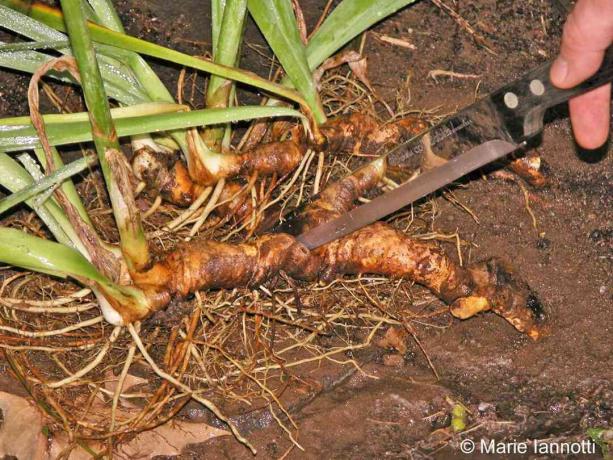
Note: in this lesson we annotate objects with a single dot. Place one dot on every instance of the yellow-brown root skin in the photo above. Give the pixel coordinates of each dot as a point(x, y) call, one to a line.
point(362, 133)
point(181, 186)
point(209, 264)
point(279, 158)
point(376, 249)
point(383, 250)
point(340, 196)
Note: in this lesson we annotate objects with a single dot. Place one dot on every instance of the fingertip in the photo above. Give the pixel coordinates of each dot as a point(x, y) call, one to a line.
point(590, 116)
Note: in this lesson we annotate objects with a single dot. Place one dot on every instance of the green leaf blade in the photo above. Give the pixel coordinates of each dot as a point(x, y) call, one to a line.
point(277, 22)
point(349, 19)
point(20, 249)
point(18, 134)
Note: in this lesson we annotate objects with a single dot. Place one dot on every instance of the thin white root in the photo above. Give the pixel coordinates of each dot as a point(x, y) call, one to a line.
point(8, 301)
point(97, 360)
point(122, 378)
point(205, 402)
point(72, 327)
point(209, 207)
point(154, 206)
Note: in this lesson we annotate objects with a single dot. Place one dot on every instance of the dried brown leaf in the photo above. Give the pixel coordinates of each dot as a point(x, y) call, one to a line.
point(168, 439)
point(396, 41)
point(356, 62)
point(21, 429)
point(302, 28)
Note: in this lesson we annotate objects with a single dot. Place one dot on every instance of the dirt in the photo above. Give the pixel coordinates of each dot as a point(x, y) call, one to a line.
point(393, 406)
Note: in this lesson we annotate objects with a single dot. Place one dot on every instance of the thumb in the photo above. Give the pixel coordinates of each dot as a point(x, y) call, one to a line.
point(588, 32)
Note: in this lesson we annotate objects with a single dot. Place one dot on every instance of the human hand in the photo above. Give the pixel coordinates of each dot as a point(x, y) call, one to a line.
point(588, 32)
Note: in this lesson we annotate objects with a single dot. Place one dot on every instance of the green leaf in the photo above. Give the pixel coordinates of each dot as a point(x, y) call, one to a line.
point(67, 187)
point(277, 21)
point(228, 44)
point(107, 16)
point(30, 61)
point(131, 111)
point(604, 438)
point(53, 18)
point(15, 178)
point(52, 180)
point(229, 18)
point(347, 21)
point(24, 46)
point(119, 78)
point(217, 9)
point(18, 133)
point(29, 252)
point(19, 249)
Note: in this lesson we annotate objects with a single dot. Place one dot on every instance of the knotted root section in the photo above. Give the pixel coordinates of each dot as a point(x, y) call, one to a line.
point(531, 169)
point(376, 249)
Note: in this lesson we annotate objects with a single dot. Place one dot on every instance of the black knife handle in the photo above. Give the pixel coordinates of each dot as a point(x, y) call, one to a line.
point(523, 102)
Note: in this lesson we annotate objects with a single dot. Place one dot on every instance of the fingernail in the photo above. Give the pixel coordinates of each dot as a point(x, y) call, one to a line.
point(559, 71)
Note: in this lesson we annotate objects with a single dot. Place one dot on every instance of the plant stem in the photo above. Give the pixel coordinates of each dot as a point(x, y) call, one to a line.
point(226, 50)
point(120, 304)
point(114, 168)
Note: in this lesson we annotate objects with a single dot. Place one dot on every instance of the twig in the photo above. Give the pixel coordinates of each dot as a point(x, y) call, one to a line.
point(448, 73)
point(394, 41)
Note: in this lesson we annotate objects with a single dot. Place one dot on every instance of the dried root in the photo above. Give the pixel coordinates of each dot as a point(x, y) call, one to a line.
point(496, 287)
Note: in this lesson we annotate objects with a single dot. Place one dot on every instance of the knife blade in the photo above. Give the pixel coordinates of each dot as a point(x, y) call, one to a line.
point(491, 128)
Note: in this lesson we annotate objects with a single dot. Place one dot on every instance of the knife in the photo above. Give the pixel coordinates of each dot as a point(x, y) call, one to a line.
point(506, 120)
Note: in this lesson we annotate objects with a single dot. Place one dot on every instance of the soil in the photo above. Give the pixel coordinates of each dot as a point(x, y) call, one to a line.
point(515, 389)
